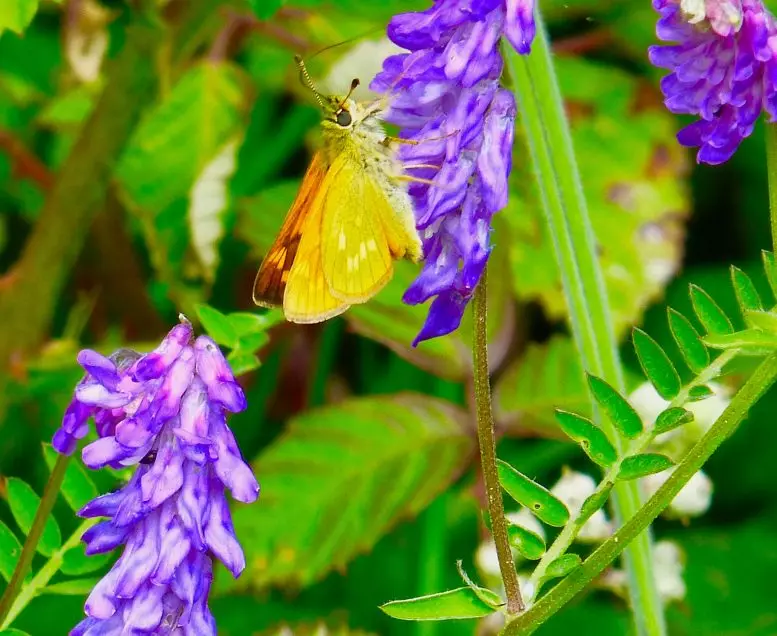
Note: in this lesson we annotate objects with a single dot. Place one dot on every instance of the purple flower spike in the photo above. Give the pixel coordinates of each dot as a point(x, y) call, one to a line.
point(723, 70)
point(446, 95)
point(165, 413)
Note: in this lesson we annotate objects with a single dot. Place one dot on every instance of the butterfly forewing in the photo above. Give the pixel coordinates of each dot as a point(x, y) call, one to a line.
point(271, 279)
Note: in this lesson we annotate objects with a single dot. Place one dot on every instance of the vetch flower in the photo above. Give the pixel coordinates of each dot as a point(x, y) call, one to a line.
point(446, 95)
point(723, 70)
point(165, 413)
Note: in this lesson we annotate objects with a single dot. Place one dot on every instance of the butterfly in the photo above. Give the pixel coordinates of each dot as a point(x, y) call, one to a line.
point(351, 219)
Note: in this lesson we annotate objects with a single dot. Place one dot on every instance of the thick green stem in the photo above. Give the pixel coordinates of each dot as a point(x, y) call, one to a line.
point(487, 443)
point(771, 166)
point(564, 204)
point(50, 493)
point(45, 574)
point(764, 376)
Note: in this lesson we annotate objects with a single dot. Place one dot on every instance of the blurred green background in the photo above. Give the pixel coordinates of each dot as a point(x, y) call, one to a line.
point(117, 212)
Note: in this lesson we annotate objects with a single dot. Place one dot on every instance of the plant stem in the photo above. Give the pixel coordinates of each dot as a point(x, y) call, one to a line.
point(564, 204)
point(50, 493)
point(487, 443)
point(771, 170)
point(763, 377)
point(45, 574)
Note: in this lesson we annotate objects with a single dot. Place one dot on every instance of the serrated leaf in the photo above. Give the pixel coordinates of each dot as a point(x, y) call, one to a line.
point(538, 499)
point(591, 438)
point(656, 365)
point(547, 376)
point(622, 415)
point(24, 502)
point(643, 465)
point(341, 476)
point(10, 550)
point(764, 320)
point(217, 325)
point(595, 502)
point(746, 293)
point(529, 544)
point(635, 186)
point(72, 587)
point(699, 392)
point(750, 341)
point(709, 313)
point(770, 267)
point(562, 566)
point(77, 487)
point(16, 15)
point(688, 341)
point(208, 203)
point(453, 604)
point(76, 562)
point(671, 418)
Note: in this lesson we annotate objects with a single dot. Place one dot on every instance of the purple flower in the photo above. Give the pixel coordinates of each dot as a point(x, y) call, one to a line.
point(723, 67)
point(446, 95)
point(164, 412)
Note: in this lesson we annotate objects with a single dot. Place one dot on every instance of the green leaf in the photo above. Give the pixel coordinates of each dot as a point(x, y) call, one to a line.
point(593, 440)
point(453, 604)
point(747, 296)
point(770, 267)
point(17, 15)
point(635, 186)
point(76, 562)
point(245, 323)
point(485, 595)
point(265, 9)
point(24, 503)
point(764, 320)
point(12, 631)
point(529, 544)
point(643, 464)
point(77, 487)
point(709, 313)
point(10, 550)
point(688, 341)
point(243, 361)
point(656, 365)
point(752, 341)
point(217, 325)
point(71, 587)
point(547, 376)
point(699, 392)
point(562, 566)
point(671, 418)
point(538, 499)
point(595, 502)
point(616, 408)
point(341, 476)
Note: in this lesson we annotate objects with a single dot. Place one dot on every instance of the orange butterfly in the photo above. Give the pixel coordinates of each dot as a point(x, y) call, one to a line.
point(351, 219)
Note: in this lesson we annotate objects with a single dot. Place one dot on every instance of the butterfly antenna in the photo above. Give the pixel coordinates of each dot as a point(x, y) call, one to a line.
point(354, 85)
point(305, 78)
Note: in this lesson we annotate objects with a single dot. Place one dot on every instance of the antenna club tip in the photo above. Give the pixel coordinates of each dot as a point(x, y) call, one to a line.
point(297, 58)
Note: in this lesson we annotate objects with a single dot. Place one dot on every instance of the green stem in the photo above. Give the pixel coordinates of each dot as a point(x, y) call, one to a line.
point(639, 445)
point(45, 574)
point(487, 443)
point(50, 493)
point(771, 165)
point(564, 204)
point(765, 375)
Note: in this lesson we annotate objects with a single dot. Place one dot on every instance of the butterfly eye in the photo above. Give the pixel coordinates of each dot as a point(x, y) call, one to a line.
point(344, 119)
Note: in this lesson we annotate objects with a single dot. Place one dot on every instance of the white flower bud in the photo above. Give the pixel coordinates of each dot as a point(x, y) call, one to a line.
point(669, 565)
point(692, 501)
point(573, 489)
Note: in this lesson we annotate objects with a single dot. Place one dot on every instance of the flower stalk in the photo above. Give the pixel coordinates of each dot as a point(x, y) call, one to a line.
point(565, 208)
point(487, 443)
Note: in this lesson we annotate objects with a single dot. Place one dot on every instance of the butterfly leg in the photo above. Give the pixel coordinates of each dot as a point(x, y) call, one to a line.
point(411, 166)
point(414, 142)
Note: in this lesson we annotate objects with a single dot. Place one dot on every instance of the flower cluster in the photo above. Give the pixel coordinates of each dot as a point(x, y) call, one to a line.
point(723, 70)
point(164, 412)
point(446, 96)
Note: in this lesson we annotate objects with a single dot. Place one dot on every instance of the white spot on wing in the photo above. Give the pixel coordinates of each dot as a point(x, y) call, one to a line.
point(363, 251)
point(341, 243)
point(372, 245)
